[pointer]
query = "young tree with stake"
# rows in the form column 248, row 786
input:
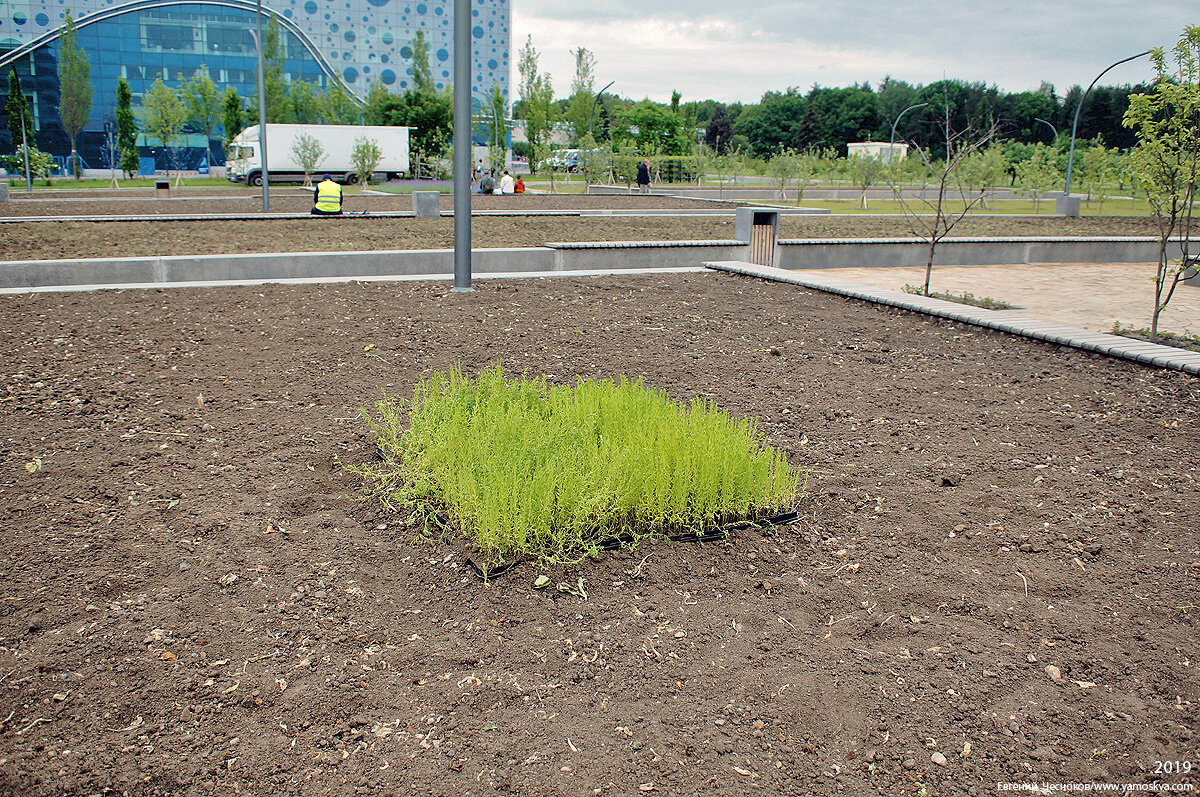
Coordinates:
column 931, row 220
column 75, row 88
column 1166, row 161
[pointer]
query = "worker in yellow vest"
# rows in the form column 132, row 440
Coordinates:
column 327, row 198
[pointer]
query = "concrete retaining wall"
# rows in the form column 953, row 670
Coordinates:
column 566, row 257
column 295, row 265
column 965, row 252
column 657, row 254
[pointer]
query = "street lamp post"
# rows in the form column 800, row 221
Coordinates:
column 262, row 111
column 462, row 148
column 596, row 102
column 891, row 157
column 1053, row 129
column 1075, row 124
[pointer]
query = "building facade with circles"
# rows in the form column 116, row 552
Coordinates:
column 356, row 44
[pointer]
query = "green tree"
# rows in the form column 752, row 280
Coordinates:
column 75, row 87
column 865, row 171
column 378, row 105
column 1101, row 166
column 583, row 93
column 338, row 108
column 164, row 115
column 274, row 83
column 305, row 106
column 422, row 73
column 232, row 121
column 203, row 103
column 536, row 94
column 365, row 156
column 932, row 218
column 653, row 129
column 430, row 115
column 719, row 130
column 17, row 109
column 846, row 115
column 784, row 168
column 309, row 153
column 983, row 169
column 497, row 122
column 771, row 124
column 1166, row 161
column 127, row 129
column 1037, row 174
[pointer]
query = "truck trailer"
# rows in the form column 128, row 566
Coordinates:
column 244, row 161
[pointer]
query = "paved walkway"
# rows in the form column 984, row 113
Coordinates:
column 1016, row 322
column 1088, row 295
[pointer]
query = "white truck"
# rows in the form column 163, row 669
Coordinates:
column 243, row 161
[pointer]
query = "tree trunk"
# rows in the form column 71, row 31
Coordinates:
column 1160, row 279
column 929, row 263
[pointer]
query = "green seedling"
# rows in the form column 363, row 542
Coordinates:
column 527, row 469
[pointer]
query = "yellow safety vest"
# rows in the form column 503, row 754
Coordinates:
column 329, row 196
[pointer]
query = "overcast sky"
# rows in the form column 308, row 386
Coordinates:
column 734, row 50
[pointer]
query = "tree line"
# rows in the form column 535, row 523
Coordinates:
column 782, row 121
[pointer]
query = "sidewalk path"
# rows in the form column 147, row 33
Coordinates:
column 1088, row 295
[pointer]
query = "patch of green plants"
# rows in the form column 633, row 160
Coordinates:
column 1180, row 340
column 526, row 469
column 986, row 302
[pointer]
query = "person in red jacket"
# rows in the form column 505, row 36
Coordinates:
column 519, row 185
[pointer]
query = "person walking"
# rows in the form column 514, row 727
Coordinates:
column 327, row 198
column 643, row 177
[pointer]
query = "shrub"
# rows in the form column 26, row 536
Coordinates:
column 527, row 469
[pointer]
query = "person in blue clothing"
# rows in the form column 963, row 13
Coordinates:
column 643, row 177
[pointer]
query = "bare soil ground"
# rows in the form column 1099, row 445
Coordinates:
column 67, row 239
column 994, row 578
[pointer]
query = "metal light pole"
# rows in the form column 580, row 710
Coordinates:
column 462, row 147
column 596, row 102
column 262, row 111
column 891, row 156
column 1078, row 108
column 1053, row 129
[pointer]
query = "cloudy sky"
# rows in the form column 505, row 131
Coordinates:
column 734, row 50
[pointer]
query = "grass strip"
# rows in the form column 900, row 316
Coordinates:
column 527, row 469
column 985, row 302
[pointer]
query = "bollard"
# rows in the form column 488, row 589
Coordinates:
column 1067, row 205
column 426, row 204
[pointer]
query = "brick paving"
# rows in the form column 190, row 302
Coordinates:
column 1017, row 322
column 1088, row 295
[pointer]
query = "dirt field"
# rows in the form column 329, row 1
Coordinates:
column 994, row 579
column 57, row 239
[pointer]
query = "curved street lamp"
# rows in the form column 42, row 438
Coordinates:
column 1079, row 107
column 1053, row 129
column 891, row 151
column 596, row 102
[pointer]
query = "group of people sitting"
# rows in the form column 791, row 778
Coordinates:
column 327, row 195
column 487, row 184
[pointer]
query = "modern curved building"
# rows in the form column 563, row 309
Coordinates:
column 353, row 42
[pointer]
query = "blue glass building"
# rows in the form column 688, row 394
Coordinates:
column 356, row 43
